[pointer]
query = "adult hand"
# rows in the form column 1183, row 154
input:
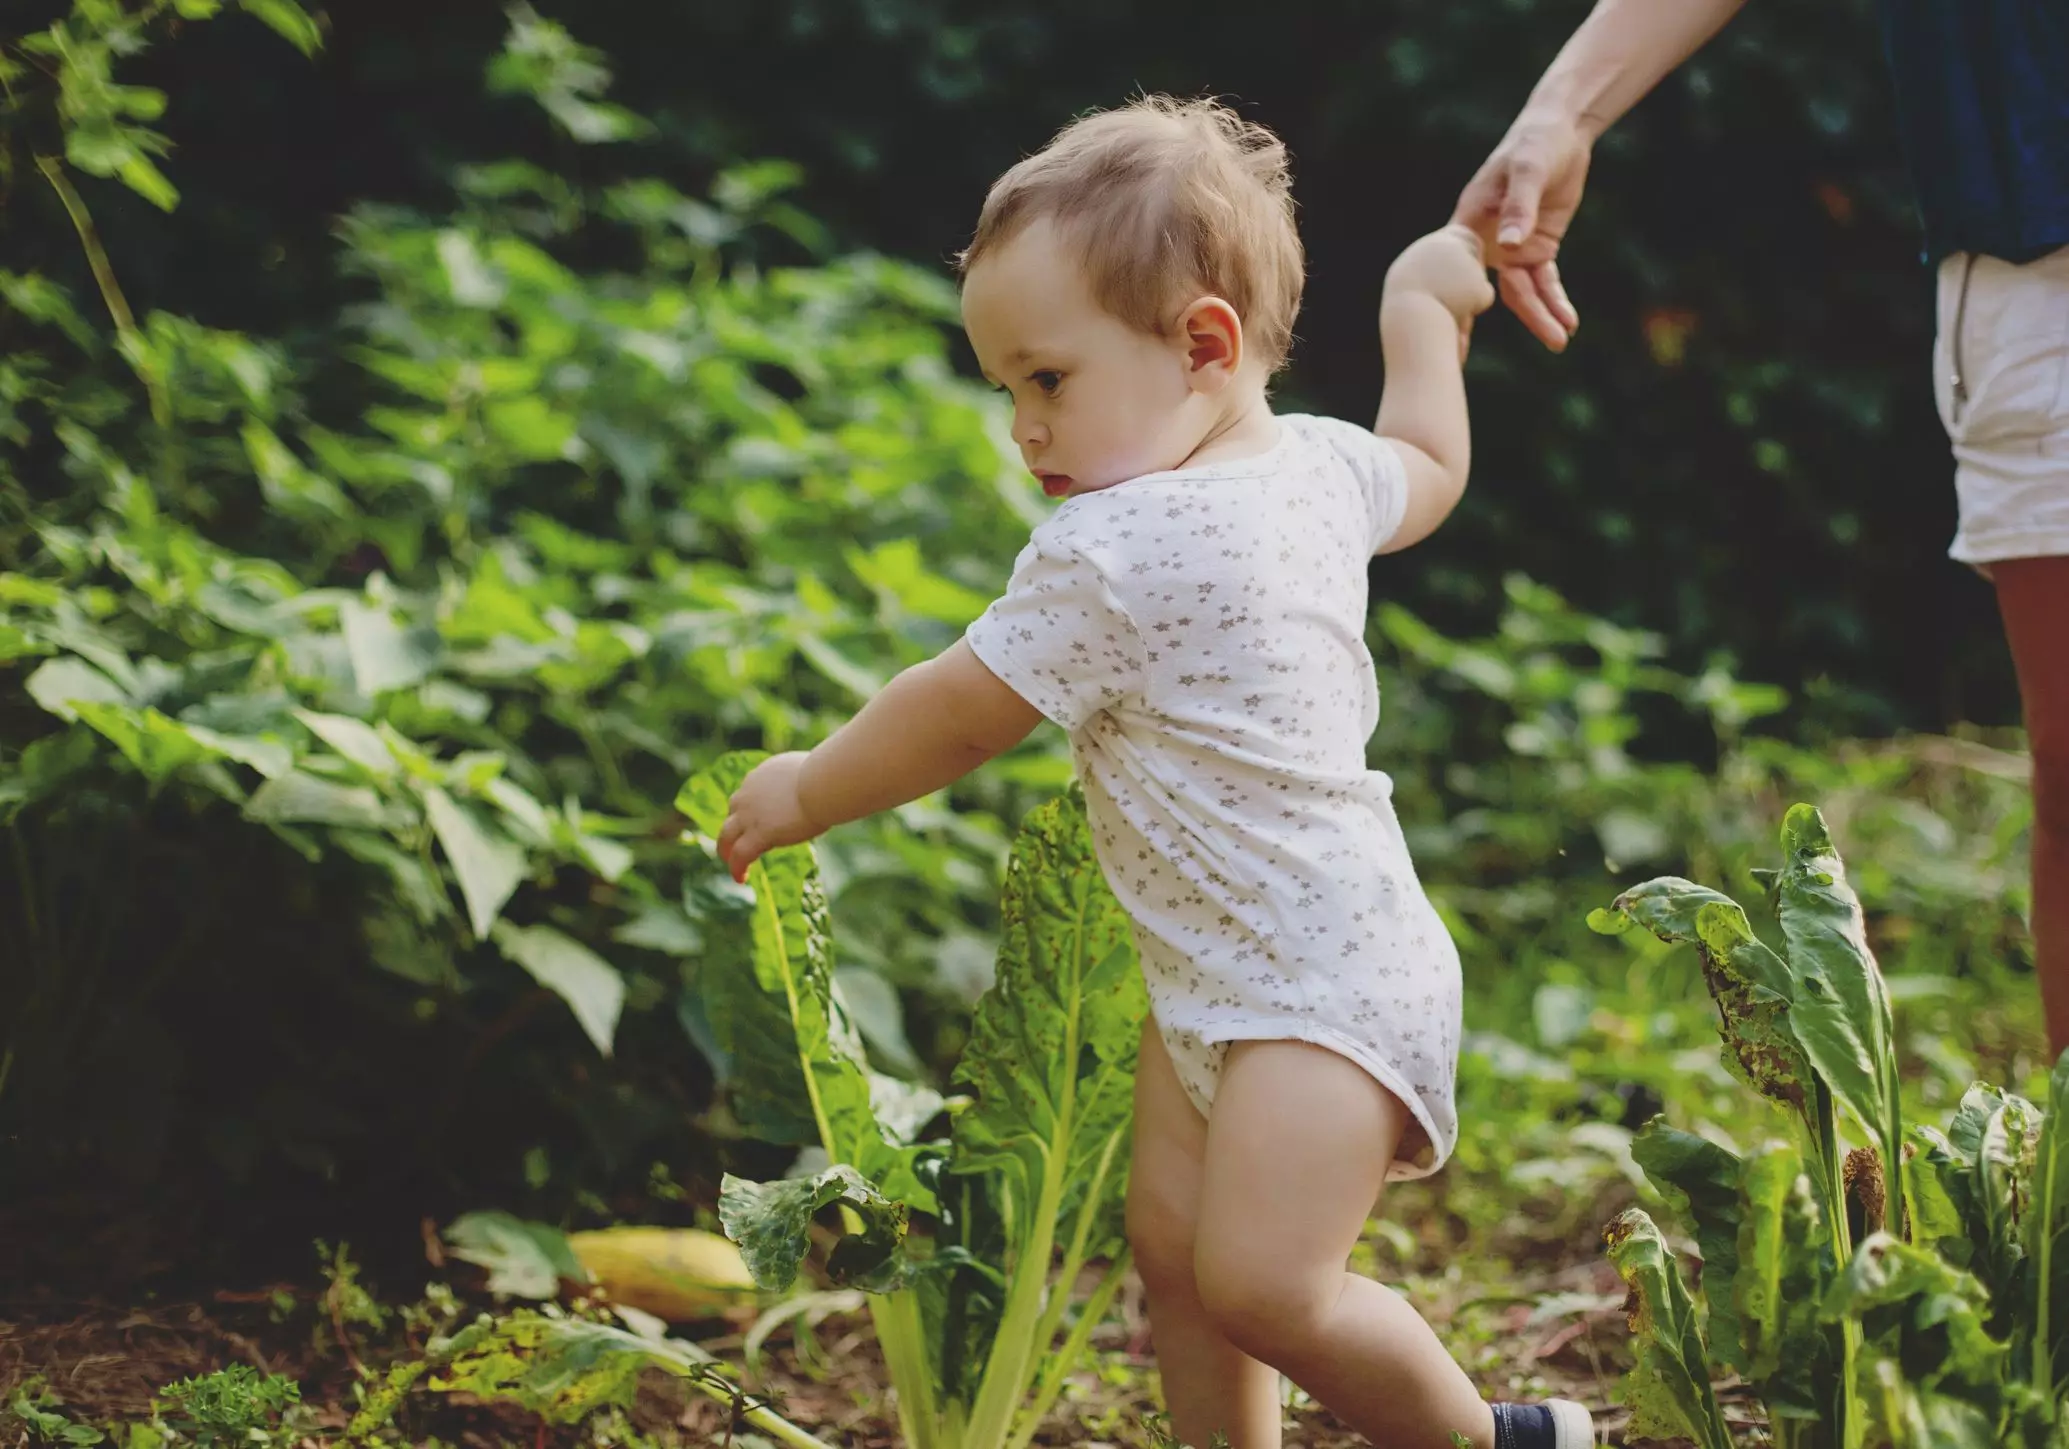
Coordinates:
column 1520, row 203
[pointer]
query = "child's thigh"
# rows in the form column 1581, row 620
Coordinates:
column 1170, row 1152
column 1301, row 1139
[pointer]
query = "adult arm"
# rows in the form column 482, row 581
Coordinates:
column 1525, row 194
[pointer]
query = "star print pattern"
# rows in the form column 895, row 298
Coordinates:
column 1200, row 634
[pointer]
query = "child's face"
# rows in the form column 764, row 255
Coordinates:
column 1095, row 401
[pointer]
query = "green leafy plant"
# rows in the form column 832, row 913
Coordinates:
column 1907, row 1292
column 34, row 1408
column 232, row 1406
column 974, row 1315
column 435, row 661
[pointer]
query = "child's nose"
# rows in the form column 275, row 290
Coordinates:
column 1029, row 433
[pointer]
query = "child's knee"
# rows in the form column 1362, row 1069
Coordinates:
column 1161, row 1234
column 1264, row 1306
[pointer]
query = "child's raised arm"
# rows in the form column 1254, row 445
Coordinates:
column 928, row 728
column 1433, row 291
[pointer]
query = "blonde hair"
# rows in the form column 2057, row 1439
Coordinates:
column 1165, row 201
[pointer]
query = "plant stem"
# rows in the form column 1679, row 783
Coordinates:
column 1065, row 1359
column 130, row 341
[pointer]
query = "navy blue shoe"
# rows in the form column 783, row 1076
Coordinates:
column 1553, row 1424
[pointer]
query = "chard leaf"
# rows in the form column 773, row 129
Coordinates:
column 1749, row 982
column 1930, row 1311
column 1839, row 1007
column 1706, row 1176
column 1668, row 1388
column 1783, row 1253
column 792, row 1049
column 771, row 1223
column 1051, row 1058
column 1902, row 1417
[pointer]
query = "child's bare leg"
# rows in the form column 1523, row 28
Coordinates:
column 1296, row 1157
column 1210, row 1386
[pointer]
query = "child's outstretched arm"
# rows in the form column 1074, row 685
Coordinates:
column 928, row 728
column 1433, row 291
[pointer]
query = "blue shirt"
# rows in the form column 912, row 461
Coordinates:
column 1982, row 100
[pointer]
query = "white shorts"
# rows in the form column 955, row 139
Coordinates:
column 2001, row 378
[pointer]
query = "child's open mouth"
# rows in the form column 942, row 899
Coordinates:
column 1054, row 484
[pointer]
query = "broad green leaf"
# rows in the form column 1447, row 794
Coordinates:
column 1668, row 1389
column 354, row 739
column 2047, row 1243
column 1749, row 983
column 798, row 1034
column 60, row 684
column 1051, row 1058
column 384, row 654
column 1899, row 1416
column 590, row 986
column 160, row 746
column 196, row 9
column 1934, row 1312
column 771, row 1221
column 1839, row 1009
column 298, row 798
column 15, row 644
column 1783, row 1253
column 523, row 1259
column 487, row 863
column 1706, row 1177
column 2003, row 1186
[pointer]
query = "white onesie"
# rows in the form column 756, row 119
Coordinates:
column 1200, row 635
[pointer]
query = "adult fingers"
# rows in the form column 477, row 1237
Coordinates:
column 1520, row 198
column 1524, row 300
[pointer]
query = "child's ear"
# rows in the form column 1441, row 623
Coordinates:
column 1213, row 337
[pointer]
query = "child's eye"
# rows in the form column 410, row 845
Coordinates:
column 1048, row 380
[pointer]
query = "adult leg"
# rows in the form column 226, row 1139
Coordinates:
column 1210, row 1386
column 2033, row 595
column 1297, row 1153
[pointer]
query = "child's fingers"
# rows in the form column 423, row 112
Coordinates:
column 747, row 849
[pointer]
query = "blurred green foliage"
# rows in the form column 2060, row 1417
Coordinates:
column 385, row 532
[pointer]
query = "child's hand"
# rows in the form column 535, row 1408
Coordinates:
column 1447, row 266
column 765, row 813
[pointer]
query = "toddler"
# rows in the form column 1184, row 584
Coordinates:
column 1193, row 615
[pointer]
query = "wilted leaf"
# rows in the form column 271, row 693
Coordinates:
column 1749, row 983
column 1668, row 1389
column 771, row 1221
column 1706, row 1177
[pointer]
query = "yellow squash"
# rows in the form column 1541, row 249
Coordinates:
column 678, row 1274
